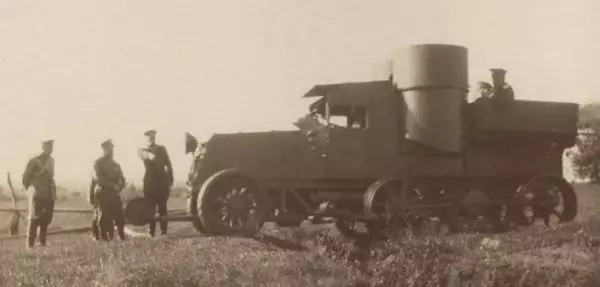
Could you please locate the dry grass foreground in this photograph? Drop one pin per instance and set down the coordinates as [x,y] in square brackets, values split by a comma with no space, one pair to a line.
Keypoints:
[316,256]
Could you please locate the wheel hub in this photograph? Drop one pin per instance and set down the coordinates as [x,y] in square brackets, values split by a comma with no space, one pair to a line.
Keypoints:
[236,201]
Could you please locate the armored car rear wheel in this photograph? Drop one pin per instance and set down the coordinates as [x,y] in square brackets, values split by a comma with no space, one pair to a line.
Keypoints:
[231,203]
[547,197]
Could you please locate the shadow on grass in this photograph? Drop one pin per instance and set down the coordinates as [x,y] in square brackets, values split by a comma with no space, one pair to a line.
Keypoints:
[282,244]
[279,243]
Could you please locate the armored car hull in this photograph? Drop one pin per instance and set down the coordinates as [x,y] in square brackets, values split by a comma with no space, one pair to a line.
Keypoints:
[389,157]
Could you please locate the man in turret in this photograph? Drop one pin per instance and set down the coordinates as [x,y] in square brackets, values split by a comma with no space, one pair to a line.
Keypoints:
[110,182]
[158,179]
[38,180]
[502,92]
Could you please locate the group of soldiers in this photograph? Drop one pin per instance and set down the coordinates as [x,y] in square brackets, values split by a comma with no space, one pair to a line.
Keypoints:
[105,189]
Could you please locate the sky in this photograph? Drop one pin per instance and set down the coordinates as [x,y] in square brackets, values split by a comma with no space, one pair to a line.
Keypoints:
[83,71]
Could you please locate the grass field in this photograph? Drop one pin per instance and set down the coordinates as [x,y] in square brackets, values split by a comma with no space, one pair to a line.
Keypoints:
[311,256]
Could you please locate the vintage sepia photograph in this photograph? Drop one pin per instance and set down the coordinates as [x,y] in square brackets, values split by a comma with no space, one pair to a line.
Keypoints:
[343,143]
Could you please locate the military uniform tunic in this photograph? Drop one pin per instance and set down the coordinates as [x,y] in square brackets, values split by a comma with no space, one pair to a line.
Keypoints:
[158,179]
[159,172]
[503,96]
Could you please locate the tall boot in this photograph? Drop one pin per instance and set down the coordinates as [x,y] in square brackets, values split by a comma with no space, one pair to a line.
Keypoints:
[31,233]
[43,232]
[111,232]
[121,230]
[95,230]
[152,227]
[163,227]
[104,233]
[162,211]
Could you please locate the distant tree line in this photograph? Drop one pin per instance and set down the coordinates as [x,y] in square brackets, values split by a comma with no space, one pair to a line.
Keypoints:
[586,154]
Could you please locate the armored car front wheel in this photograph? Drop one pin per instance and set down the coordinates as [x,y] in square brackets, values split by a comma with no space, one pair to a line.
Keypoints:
[231,203]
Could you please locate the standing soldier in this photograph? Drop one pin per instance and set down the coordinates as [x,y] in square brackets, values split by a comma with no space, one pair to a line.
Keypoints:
[158,178]
[38,180]
[110,181]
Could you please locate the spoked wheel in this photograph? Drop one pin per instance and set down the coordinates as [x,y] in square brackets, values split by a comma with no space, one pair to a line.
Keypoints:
[350,228]
[193,210]
[392,201]
[549,198]
[231,203]
[522,212]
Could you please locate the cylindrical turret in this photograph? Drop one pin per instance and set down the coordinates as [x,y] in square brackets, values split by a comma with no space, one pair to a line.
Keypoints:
[431,66]
[434,118]
[433,79]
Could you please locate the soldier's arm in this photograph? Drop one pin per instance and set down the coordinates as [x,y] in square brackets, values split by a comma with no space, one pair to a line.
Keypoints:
[53,188]
[53,173]
[28,173]
[168,163]
[91,191]
[122,177]
[510,93]
[192,172]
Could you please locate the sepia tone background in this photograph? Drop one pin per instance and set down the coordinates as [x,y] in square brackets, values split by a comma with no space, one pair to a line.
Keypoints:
[82,71]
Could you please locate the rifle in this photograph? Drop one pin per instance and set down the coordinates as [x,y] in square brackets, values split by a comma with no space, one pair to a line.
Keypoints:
[92,191]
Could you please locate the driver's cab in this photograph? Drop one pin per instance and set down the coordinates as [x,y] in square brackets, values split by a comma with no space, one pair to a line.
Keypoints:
[343,121]
[336,115]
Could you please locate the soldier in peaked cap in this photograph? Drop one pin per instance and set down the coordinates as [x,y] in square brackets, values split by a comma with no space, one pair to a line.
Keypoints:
[110,182]
[38,180]
[158,178]
[502,92]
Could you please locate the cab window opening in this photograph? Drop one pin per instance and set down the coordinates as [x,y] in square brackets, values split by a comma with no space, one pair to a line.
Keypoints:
[348,117]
